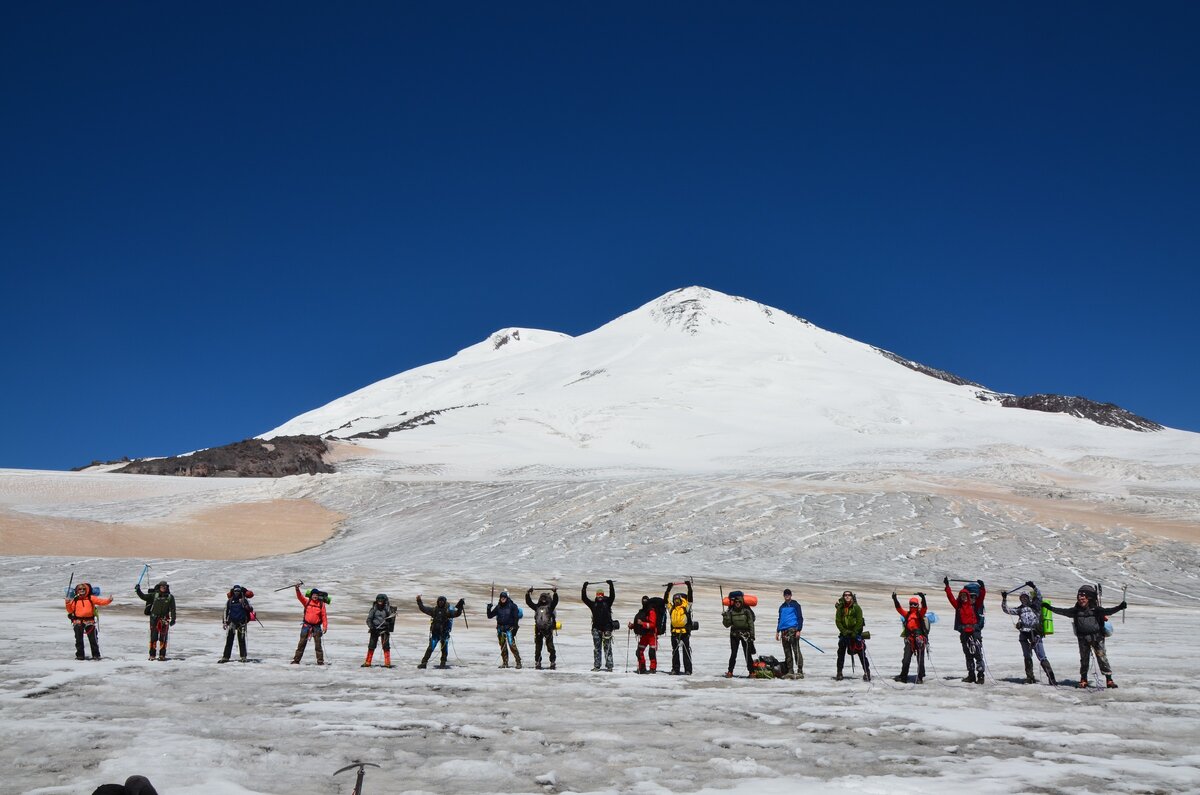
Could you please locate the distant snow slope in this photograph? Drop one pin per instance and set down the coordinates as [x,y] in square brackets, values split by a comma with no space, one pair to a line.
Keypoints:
[701,381]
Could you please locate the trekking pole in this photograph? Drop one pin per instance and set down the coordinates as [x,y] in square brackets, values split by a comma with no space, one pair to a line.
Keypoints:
[1124,589]
[145,567]
[464,617]
[810,643]
[296,584]
[628,632]
[358,781]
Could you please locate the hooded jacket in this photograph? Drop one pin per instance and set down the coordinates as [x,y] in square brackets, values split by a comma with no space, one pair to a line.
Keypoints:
[848,617]
[681,614]
[82,609]
[601,608]
[507,614]
[645,623]
[158,606]
[543,610]
[381,618]
[441,615]
[966,609]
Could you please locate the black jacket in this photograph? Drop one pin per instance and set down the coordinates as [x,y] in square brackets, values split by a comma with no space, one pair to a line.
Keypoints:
[439,616]
[1088,622]
[601,608]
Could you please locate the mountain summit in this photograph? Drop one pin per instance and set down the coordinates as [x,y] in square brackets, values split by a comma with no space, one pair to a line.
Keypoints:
[694,379]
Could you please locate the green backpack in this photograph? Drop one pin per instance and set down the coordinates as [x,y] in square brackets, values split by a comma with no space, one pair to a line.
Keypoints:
[1047,618]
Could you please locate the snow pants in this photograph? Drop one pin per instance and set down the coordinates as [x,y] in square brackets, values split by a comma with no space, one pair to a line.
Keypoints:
[159,627]
[1089,645]
[86,628]
[507,642]
[681,647]
[972,646]
[647,641]
[913,644]
[745,643]
[793,660]
[543,637]
[380,636]
[602,638]
[844,642]
[307,630]
[240,631]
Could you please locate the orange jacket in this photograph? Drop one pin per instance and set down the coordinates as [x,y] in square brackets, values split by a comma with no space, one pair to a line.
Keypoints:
[83,608]
[314,610]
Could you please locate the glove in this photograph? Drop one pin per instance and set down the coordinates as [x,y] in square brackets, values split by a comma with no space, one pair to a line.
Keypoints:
[489,606]
[1030,583]
[921,594]
[171,623]
[1004,594]
[946,581]
[893,594]
[980,583]
[225,625]
[461,603]
[586,583]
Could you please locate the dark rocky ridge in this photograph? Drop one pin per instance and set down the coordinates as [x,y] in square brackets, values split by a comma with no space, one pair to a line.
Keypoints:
[250,458]
[1101,413]
[1108,414]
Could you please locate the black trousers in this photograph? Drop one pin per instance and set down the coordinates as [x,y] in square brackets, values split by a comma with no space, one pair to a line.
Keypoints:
[746,644]
[90,630]
[380,636]
[844,642]
[238,630]
[681,647]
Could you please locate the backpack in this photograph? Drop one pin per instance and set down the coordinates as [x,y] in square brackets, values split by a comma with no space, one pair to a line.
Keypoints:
[543,618]
[766,667]
[977,606]
[660,614]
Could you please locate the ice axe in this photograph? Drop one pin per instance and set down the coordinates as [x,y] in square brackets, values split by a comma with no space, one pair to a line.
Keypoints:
[1124,590]
[296,584]
[358,781]
[145,568]
[810,643]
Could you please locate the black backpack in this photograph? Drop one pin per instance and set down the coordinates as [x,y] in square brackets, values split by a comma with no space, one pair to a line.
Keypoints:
[543,617]
[660,613]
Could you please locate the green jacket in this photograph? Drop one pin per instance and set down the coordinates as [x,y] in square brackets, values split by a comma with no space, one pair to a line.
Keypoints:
[849,621]
[739,620]
[158,605]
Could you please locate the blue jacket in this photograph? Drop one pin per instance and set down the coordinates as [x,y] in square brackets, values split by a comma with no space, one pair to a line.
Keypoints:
[506,615]
[790,616]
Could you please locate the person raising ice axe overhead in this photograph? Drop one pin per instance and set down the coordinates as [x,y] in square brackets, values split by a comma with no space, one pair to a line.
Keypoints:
[968,622]
[315,622]
[160,606]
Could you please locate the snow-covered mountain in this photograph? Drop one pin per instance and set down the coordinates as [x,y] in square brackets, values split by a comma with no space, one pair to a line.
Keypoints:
[697,380]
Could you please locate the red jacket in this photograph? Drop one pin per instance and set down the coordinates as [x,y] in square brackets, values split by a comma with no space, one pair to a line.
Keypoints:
[964,608]
[83,608]
[314,610]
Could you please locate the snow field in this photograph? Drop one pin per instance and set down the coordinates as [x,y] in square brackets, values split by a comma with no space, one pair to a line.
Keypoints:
[195,726]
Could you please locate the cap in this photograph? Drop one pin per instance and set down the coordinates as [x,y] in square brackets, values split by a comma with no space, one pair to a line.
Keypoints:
[914,601]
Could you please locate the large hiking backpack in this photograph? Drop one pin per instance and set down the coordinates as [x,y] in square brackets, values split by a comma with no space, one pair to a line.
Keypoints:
[660,614]
[766,667]
[543,618]
[1047,618]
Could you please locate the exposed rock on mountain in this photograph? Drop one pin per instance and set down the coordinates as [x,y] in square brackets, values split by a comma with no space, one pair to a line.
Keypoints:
[251,458]
[1101,413]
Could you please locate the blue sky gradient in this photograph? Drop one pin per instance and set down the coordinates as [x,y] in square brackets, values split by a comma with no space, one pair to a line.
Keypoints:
[216,218]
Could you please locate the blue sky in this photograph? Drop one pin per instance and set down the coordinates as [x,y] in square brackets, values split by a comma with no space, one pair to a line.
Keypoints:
[212,220]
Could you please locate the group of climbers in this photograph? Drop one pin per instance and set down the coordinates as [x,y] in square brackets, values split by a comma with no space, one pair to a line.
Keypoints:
[671,613]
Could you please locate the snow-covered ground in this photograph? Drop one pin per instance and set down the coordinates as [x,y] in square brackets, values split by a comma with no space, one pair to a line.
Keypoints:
[197,727]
